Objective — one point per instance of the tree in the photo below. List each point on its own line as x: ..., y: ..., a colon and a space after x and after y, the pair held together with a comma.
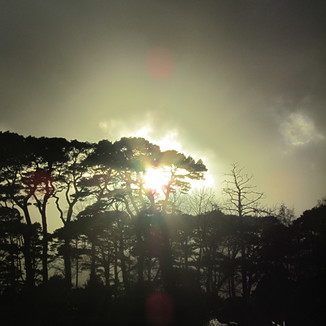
x: 11, y: 230
x: 199, y: 201
x: 15, y: 164
x: 70, y: 189
x: 285, y: 215
x: 120, y: 179
x: 47, y: 156
x: 309, y: 231
x: 182, y: 169
x: 242, y: 200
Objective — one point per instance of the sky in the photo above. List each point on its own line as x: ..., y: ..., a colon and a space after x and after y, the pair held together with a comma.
x: 226, y: 81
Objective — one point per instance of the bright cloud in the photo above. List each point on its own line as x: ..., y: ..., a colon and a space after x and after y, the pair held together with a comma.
x: 115, y: 129
x: 112, y: 128
x: 299, y: 130
x: 103, y: 125
x: 170, y: 141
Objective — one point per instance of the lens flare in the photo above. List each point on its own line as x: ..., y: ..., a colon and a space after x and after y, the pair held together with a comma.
x: 160, y: 63
x: 159, y: 309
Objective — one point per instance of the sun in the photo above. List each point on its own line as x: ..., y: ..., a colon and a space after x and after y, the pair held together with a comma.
x: 155, y: 179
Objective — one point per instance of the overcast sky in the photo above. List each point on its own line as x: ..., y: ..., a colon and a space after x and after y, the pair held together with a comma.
x: 231, y: 81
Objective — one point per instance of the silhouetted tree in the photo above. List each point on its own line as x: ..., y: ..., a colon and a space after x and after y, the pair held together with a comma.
x: 48, y: 155
x: 285, y: 215
x: 11, y: 231
x: 199, y: 201
x: 243, y: 200
x: 15, y: 164
x: 309, y: 234
x: 70, y: 189
x: 133, y: 240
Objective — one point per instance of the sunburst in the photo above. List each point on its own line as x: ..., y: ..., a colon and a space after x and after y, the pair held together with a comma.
x: 156, y: 179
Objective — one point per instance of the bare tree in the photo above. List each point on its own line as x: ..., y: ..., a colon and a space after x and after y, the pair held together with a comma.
x: 242, y: 197
x: 200, y: 201
x: 243, y: 200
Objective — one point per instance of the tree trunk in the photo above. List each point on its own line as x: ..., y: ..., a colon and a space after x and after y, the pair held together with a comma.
x: 140, y: 253
x: 28, y: 256
x: 77, y: 264
x: 140, y: 264
x: 67, y: 248
x: 165, y: 260
x: 231, y: 286
x: 30, y: 273
x: 67, y: 262
x: 125, y: 277
x: 186, y: 253
x: 210, y: 262
x: 107, y: 273
x: 116, y: 276
x: 244, y: 280
x: 44, y: 249
x: 92, y: 277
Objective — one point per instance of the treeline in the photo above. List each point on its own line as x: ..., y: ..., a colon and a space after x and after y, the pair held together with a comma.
x: 129, y: 242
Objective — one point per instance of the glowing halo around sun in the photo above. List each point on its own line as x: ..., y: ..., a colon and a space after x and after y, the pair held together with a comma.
x: 156, y: 179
